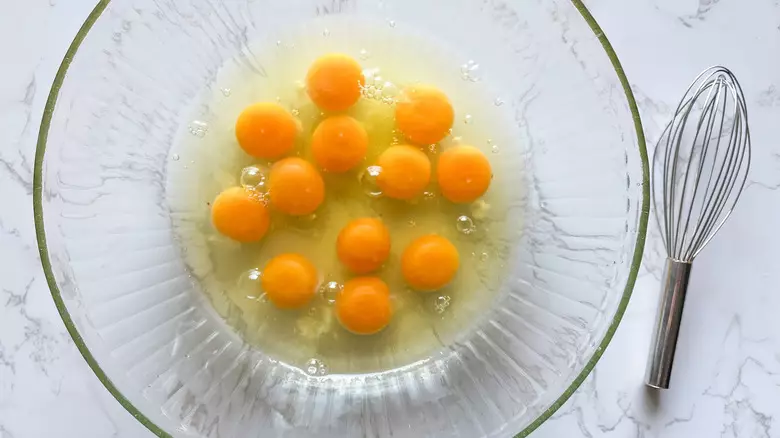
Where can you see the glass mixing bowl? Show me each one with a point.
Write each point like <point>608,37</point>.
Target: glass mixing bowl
<point>151,336</point>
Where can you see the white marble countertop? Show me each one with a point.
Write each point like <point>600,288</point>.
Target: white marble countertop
<point>727,374</point>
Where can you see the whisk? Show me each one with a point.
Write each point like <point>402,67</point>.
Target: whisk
<point>700,167</point>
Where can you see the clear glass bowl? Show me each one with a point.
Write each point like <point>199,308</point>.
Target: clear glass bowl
<point>152,338</point>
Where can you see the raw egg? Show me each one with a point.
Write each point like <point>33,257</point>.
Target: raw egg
<point>289,281</point>
<point>429,263</point>
<point>334,82</point>
<point>424,114</point>
<point>463,173</point>
<point>295,187</point>
<point>404,173</point>
<point>240,214</point>
<point>363,306</point>
<point>339,143</point>
<point>266,130</point>
<point>363,245</point>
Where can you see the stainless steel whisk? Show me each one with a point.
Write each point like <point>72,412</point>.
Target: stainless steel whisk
<point>700,167</point>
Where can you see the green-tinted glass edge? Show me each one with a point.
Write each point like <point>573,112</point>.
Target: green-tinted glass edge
<point>641,233</point>
<point>40,233</point>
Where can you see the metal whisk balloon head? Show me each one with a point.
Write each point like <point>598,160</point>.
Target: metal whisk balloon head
<point>701,163</point>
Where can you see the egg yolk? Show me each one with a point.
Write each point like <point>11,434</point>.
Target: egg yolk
<point>463,173</point>
<point>339,143</point>
<point>363,306</point>
<point>295,187</point>
<point>266,130</point>
<point>424,114</point>
<point>289,281</point>
<point>429,263</point>
<point>405,172</point>
<point>334,81</point>
<point>363,245</point>
<point>240,215</point>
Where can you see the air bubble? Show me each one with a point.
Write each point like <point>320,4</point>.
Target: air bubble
<point>248,287</point>
<point>442,303</point>
<point>316,367</point>
<point>433,149</point>
<point>480,209</point>
<point>260,196</point>
<point>326,32</point>
<point>494,149</point>
<point>278,43</point>
<point>369,75</point>
<point>465,225</point>
<point>198,128</point>
<point>368,91</point>
<point>376,88</point>
<point>391,23</point>
<point>175,157</point>
<point>470,71</point>
<point>467,119</point>
<point>498,101</point>
<point>484,256</point>
<point>389,89</point>
<point>225,92</point>
<point>252,275</point>
<point>368,183</point>
<point>364,54</point>
<point>253,178</point>
<point>428,195</point>
<point>330,290</point>
<point>295,112</point>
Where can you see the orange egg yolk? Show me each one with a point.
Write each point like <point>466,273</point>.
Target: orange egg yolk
<point>289,281</point>
<point>240,215</point>
<point>363,245</point>
<point>429,263</point>
<point>334,81</point>
<point>339,143</point>
<point>295,187</point>
<point>424,114</point>
<point>363,306</point>
<point>463,173</point>
<point>404,173</point>
<point>266,130</point>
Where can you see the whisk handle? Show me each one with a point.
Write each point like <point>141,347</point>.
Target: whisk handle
<point>667,324</point>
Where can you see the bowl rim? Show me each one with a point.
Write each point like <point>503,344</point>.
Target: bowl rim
<point>40,232</point>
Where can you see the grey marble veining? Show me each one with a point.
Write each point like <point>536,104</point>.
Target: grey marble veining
<point>727,373</point>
